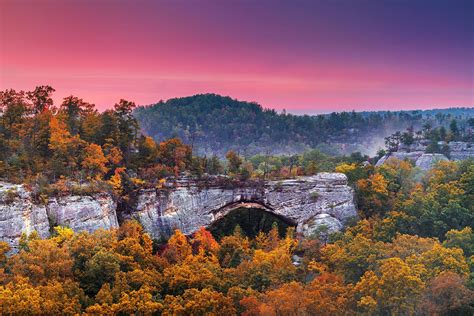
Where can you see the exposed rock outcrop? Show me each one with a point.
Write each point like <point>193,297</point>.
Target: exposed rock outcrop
<point>413,156</point>
<point>83,213</point>
<point>427,161</point>
<point>461,150</point>
<point>20,214</point>
<point>307,202</point>
<point>416,153</point>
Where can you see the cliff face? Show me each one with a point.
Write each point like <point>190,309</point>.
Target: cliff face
<point>427,161</point>
<point>416,153</point>
<point>86,213</point>
<point>20,214</point>
<point>306,202</point>
<point>461,150</point>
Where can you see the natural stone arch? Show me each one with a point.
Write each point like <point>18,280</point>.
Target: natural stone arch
<point>252,217</point>
<point>309,202</point>
<point>187,204</point>
<point>225,210</point>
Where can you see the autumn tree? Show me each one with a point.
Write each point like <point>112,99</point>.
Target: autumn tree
<point>266,269</point>
<point>289,299</point>
<point>175,154</point>
<point>196,271</point>
<point>325,295</point>
<point>41,98</point>
<point>233,249</point>
<point>395,288</point>
<point>352,256</point>
<point>447,294</point>
<point>42,261</point>
<point>114,156</point>
<point>234,162</point>
<point>66,149</point>
<point>204,242</point>
<point>196,302</point>
<point>127,125</point>
<point>91,125</point>
<point>94,161</point>
<point>373,194</point>
<point>178,248</point>
<point>73,109</point>
<point>328,295</point>
<point>21,298</point>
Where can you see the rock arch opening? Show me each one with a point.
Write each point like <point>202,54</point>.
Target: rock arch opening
<point>252,219</point>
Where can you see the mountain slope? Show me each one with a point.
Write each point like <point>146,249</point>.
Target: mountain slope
<point>216,124</point>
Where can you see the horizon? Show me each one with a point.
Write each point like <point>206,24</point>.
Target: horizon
<point>324,56</point>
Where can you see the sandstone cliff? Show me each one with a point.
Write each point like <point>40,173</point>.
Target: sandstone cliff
<point>19,213</point>
<point>306,202</point>
<point>416,153</point>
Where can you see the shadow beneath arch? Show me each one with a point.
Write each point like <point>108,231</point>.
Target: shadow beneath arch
<point>252,219</point>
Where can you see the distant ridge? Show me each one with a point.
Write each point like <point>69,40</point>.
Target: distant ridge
<point>214,124</point>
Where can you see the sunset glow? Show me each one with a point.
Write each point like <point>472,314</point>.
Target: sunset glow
<point>304,56</point>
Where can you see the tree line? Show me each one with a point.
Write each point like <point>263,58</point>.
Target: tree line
<point>75,148</point>
<point>214,124</point>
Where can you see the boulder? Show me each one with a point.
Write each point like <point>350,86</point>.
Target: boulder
<point>413,156</point>
<point>427,161</point>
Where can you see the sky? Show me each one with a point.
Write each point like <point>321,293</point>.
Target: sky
<point>303,56</point>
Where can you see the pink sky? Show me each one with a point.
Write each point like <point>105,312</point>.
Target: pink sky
<point>312,57</point>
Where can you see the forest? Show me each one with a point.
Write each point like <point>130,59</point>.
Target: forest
<point>410,252</point>
<point>74,147</point>
<point>214,124</point>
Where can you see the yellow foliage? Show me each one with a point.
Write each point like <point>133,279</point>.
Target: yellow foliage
<point>346,167</point>
<point>95,161</point>
<point>396,288</point>
<point>440,259</point>
<point>63,234</point>
<point>196,302</point>
<point>178,248</point>
<point>116,180</point>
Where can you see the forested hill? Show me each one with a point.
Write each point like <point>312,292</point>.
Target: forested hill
<point>215,124</point>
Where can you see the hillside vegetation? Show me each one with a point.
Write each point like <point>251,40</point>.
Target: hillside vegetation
<point>214,124</point>
<point>410,254</point>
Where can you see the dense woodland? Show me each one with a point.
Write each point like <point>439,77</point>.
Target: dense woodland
<point>213,124</point>
<point>46,145</point>
<point>410,252</point>
<point>435,138</point>
<point>73,147</point>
